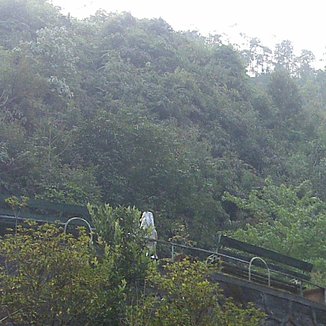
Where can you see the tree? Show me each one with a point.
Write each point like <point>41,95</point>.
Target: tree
<point>184,295</point>
<point>305,60</point>
<point>120,228</point>
<point>49,277</point>
<point>20,19</point>
<point>287,219</point>
<point>129,112</point>
<point>258,57</point>
<point>284,57</point>
<point>285,94</point>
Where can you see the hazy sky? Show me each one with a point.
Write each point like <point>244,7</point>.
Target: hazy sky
<point>303,22</point>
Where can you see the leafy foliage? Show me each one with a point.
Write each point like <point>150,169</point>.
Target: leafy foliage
<point>50,277</point>
<point>120,229</point>
<point>184,295</point>
<point>289,220</point>
<point>130,112</point>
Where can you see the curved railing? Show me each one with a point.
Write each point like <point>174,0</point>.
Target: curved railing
<point>268,270</point>
<point>83,220</point>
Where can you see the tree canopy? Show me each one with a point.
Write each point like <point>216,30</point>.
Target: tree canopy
<point>130,112</point>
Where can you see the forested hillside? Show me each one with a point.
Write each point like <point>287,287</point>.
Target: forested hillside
<point>130,112</point>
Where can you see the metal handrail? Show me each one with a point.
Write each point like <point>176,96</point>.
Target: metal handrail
<point>169,243</point>
<point>268,270</point>
<point>173,245</point>
<point>83,220</point>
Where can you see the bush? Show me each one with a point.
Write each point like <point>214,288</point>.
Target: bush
<point>52,278</point>
<point>183,295</point>
<point>120,228</point>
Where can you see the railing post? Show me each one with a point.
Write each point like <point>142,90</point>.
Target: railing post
<point>172,252</point>
<point>268,270</point>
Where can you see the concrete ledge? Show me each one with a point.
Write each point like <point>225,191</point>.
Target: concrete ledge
<point>282,308</point>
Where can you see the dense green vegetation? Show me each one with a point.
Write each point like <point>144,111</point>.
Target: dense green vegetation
<point>48,277</point>
<point>130,112</point>
<point>189,298</point>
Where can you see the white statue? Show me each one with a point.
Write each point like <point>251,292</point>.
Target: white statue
<point>147,223</point>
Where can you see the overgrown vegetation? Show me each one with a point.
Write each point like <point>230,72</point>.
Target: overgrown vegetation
<point>130,112</point>
<point>289,220</point>
<point>48,277</point>
<point>51,278</point>
<point>183,295</point>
